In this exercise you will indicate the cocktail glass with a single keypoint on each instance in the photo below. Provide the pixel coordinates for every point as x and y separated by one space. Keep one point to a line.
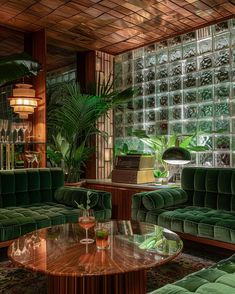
86 221
102 233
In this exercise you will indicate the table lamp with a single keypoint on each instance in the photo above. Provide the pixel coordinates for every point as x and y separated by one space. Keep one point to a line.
176 156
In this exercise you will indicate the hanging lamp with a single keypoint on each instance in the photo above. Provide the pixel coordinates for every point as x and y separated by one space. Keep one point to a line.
176 155
23 100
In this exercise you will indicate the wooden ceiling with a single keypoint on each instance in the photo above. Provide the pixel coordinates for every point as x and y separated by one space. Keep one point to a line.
112 26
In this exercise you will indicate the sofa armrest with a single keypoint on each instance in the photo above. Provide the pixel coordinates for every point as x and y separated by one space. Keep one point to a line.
158 199
68 196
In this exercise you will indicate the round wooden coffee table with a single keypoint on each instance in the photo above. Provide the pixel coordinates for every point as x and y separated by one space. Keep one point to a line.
73 267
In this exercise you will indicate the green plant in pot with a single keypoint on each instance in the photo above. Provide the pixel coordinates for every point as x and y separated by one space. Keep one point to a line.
72 121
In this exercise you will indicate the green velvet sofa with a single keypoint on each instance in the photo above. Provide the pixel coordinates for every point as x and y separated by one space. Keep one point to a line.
204 206
32 199
217 279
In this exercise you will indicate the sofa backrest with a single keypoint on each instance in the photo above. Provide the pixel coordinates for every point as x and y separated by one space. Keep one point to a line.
210 187
26 186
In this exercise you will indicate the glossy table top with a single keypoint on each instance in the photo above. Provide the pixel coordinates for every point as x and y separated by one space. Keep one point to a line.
57 250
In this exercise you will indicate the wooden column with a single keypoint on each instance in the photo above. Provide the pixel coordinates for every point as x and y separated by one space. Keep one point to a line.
86 77
35 44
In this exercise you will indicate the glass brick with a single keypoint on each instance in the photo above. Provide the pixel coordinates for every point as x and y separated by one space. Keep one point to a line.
222 41
162 57
222 58
206 159
175 54
222 126
206 141
149 75
205 78
191 36
205 94
190 80
222 91
175 84
150 102
161 128
149 49
163 100
175 69
190 66
128 80
138 53
205 126
161 72
149 88
162 86
138 77
190 127
163 114
151 129
174 41
175 98
139 64
161 45
175 128
205 62
150 60
175 113
150 116
190 96
221 27
222 75
222 159
127 67
189 50
190 112
205 46
205 110
222 109
139 90
222 142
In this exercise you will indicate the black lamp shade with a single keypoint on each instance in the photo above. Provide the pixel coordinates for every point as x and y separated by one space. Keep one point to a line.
176 155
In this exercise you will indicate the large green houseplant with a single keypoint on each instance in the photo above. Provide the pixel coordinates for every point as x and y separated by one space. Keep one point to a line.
72 118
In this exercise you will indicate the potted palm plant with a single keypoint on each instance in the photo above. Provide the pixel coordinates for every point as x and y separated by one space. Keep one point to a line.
71 122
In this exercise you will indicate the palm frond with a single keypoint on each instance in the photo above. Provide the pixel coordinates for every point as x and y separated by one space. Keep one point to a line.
16 66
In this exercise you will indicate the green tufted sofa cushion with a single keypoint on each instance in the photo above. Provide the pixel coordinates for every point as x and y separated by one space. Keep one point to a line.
217 279
164 198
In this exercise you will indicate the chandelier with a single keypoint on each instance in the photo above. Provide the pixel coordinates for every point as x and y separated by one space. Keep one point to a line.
23 100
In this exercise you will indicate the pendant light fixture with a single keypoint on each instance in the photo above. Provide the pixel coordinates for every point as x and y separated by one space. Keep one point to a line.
23 100
176 155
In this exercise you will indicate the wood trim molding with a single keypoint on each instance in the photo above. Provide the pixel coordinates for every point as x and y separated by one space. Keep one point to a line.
206 241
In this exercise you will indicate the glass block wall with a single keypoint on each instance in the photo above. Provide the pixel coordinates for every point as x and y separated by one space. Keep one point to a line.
185 85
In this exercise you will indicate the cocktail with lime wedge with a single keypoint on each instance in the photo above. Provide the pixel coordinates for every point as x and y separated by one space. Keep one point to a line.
102 233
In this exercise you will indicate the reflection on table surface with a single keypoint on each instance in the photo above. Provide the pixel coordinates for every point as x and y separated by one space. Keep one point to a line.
133 246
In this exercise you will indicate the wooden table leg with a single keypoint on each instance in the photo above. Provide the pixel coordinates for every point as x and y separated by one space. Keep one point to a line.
128 283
